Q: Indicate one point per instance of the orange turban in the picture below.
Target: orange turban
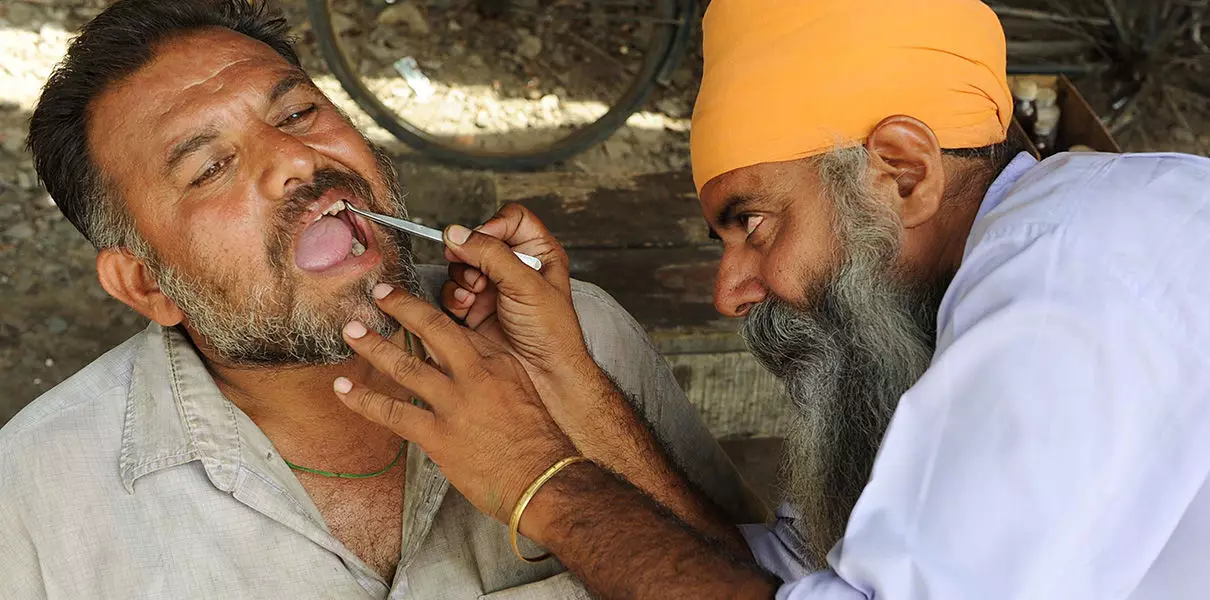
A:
(788, 79)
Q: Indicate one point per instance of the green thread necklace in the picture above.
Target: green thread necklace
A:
(402, 448)
(407, 336)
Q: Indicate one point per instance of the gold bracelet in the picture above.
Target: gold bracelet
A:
(514, 522)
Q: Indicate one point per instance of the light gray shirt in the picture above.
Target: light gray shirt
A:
(136, 478)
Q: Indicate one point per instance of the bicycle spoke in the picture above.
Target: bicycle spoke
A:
(599, 51)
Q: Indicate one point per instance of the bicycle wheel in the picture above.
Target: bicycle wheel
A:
(528, 84)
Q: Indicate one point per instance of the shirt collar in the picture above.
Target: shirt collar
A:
(999, 189)
(176, 414)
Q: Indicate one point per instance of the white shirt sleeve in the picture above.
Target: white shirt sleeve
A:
(779, 547)
(1050, 450)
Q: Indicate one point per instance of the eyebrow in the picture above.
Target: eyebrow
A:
(728, 215)
(287, 84)
(187, 147)
(196, 142)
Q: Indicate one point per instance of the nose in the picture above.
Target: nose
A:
(288, 163)
(738, 287)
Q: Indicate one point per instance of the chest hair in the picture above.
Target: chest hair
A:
(366, 515)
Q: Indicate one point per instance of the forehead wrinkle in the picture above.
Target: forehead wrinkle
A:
(187, 95)
(217, 73)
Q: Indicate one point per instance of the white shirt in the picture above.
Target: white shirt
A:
(1059, 445)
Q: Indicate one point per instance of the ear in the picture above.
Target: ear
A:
(128, 279)
(906, 156)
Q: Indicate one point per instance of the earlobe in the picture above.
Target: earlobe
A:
(128, 279)
(907, 156)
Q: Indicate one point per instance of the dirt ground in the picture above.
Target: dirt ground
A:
(55, 318)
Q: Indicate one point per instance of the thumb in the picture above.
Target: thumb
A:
(495, 259)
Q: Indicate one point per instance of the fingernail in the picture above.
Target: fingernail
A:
(355, 330)
(470, 277)
(342, 385)
(458, 234)
(382, 290)
(462, 295)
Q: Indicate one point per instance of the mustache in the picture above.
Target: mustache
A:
(783, 336)
(298, 203)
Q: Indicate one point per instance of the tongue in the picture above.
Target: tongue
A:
(324, 244)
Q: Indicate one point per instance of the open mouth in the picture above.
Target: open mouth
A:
(333, 237)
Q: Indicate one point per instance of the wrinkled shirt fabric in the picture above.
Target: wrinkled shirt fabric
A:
(1059, 444)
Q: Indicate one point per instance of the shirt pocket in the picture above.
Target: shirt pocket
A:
(563, 586)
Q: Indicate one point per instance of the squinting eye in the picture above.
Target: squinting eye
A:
(751, 222)
(297, 116)
(211, 171)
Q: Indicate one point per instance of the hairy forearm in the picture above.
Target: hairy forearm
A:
(622, 544)
(621, 441)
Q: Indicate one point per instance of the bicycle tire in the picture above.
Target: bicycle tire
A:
(663, 52)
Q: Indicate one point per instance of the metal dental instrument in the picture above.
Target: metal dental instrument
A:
(428, 232)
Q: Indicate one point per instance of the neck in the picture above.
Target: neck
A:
(970, 186)
(297, 410)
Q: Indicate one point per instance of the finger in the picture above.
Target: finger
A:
(470, 278)
(521, 229)
(515, 224)
(401, 416)
(456, 300)
(495, 259)
(445, 339)
(483, 308)
(409, 371)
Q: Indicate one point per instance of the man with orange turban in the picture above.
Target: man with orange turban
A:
(1000, 365)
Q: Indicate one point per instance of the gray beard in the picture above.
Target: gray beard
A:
(863, 339)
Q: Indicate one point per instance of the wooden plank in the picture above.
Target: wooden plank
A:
(759, 460)
(666, 289)
(736, 397)
(594, 211)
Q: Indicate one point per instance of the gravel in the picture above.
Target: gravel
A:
(405, 13)
(528, 45)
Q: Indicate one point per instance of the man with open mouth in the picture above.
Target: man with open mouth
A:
(207, 456)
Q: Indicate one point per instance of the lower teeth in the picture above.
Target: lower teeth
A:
(358, 249)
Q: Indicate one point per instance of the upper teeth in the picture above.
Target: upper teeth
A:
(336, 207)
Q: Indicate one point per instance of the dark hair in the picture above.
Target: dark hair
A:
(111, 47)
(995, 157)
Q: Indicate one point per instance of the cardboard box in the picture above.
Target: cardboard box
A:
(1078, 123)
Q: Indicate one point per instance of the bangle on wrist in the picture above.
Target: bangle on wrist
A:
(514, 522)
